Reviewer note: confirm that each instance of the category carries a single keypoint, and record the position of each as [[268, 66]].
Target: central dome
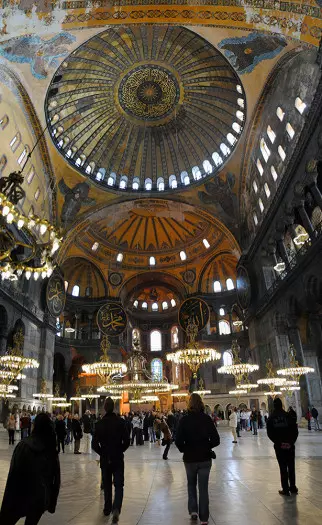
[[146, 108]]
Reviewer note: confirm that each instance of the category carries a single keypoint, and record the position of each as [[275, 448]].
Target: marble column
[[305, 219], [90, 325], [96, 406], [316, 194]]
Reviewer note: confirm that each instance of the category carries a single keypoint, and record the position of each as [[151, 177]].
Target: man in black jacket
[[282, 430], [110, 441]]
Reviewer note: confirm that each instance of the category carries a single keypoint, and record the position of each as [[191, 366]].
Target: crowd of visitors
[[194, 432]]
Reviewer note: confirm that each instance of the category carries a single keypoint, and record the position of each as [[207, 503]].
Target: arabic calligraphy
[[111, 319], [193, 311], [55, 295]]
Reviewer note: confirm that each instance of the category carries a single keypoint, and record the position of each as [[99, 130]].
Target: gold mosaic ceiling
[[135, 108]]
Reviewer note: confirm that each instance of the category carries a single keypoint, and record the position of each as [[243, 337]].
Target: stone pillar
[[96, 406], [282, 250], [316, 194], [77, 319], [296, 339], [305, 219], [80, 408], [90, 326], [231, 322]]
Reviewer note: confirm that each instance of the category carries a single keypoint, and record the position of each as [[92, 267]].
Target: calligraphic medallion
[[111, 319], [243, 288], [196, 310], [55, 295]]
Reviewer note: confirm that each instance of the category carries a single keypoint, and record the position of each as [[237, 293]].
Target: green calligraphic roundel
[[111, 319], [243, 288], [56, 295], [196, 310]]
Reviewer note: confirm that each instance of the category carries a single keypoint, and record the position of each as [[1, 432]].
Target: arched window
[[100, 175], [95, 246], [173, 303], [271, 134], [207, 167], [236, 127], [30, 175], [136, 183], [15, 142], [280, 113], [221, 311], [75, 291], [230, 284], [239, 88], [22, 159], [217, 286], [148, 184], [274, 173], [136, 303], [111, 179], [267, 190], [281, 152], [240, 115], [4, 121], [165, 305], [225, 150], [231, 139], [155, 341], [290, 130], [261, 205], [206, 243], [217, 159], [66, 286], [185, 178], [241, 102], [160, 184], [255, 186], [255, 219], [196, 173], [227, 358], [88, 291], [119, 257], [155, 307], [183, 255], [259, 167], [224, 328], [174, 337], [300, 105], [264, 149], [156, 370], [136, 336], [80, 161], [123, 182], [152, 261], [144, 305], [3, 163], [37, 194], [173, 182]]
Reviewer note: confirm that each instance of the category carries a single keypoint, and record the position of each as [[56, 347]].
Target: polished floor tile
[[243, 488]]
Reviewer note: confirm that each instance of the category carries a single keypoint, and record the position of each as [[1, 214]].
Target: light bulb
[[5, 210], [49, 272], [36, 275], [31, 224], [43, 229], [55, 246], [43, 275], [28, 275], [10, 218], [19, 272], [20, 224]]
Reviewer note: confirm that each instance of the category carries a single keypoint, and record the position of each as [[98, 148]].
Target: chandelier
[[295, 371], [238, 392], [271, 380], [13, 362], [104, 368], [78, 396], [140, 382], [43, 395], [193, 355], [39, 240], [57, 400], [7, 391], [238, 369], [90, 395], [247, 386]]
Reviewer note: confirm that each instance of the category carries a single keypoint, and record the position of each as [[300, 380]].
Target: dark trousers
[[60, 442], [286, 461], [238, 430], [167, 448], [32, 518], [198, 472], [113, 472], [76, 445], [11, 436]]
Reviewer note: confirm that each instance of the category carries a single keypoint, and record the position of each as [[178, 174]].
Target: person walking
[[60, 429], [137, 430], [24, 425], [87, 429], [150, 427], [283, 431], [315, 415], [233, 424], [11, 427], [167, 437], [77, 433], [110, 440], [34, 475], [238, 423], [254, 421], [196, 436], [308, 417]]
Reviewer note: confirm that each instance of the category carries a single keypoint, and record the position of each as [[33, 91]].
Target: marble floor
[[243, 487]]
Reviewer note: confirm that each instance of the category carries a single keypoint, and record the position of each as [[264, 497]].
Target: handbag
[[163, 442]]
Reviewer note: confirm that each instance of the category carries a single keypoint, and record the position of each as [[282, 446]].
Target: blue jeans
[[255, 427], [198, 472]]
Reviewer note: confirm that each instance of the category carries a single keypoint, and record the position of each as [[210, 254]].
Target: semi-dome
[[146, 108]]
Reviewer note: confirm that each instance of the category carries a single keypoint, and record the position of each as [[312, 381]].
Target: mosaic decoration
[[189, 276], [111, 319], [41, 54], [148, 101], [75, 198], [55, 295], [245, 53], [220, 191], [196, 310], [115, 279]]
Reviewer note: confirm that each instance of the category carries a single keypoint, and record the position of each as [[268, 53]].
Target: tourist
[[110, 441], [167, 437], [69, 431], [254, 421], [315, 416], [292, 413], [34, 477], [282, 430], [157, 430], [238, 423], [137, 426], [243, 418], [171, 422], [233, 424], [87, 432], [308, 417], [24, 425], [77, 433], [60, 429], [11, 427], [151, 418], [196, 437]]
